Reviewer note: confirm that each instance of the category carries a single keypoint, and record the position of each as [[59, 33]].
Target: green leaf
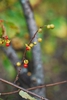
[[26, 95]]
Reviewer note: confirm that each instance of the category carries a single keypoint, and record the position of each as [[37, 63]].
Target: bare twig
[[9, 93], [33, 88], [24, 55], [22, 89], [48, 85]]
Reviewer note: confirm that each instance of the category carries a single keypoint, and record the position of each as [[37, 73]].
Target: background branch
[[38, 73], [22, 89]]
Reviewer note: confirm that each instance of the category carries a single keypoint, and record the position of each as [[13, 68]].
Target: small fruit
[[26, 45], [25, 61], [0, 42], [31, 45], [18, 64], [52, 26], [35, 43], [8, 41], [48, 26], [28, 48], [39, 39], [7, 44], [40, 30], [25, 65]]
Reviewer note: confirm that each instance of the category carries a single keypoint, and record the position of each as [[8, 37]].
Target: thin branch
[[48, 85], [9, 93], [33, 88], [22, 89], [35, 34], [24, 55]]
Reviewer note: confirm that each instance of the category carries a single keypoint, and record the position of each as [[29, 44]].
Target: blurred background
[[53, 46]]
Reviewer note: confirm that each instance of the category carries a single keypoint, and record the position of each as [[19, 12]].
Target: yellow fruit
[[35, 43], [48, 26], [40, 30], [25, 61], [52, 26], [18, 64], [39, 39], [0, 42], [31, 45], [7, 41], [26, 45]]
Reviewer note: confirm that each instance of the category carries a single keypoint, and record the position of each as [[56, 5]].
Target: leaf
[[26, 95]]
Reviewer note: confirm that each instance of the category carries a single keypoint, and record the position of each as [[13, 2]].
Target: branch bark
[[22, 89], [24, 79], [11, 54], [36, 52]]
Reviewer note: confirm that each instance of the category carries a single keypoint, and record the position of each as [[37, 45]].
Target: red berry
[[6, 37], [27, 48], [7, 44], [25, 65]]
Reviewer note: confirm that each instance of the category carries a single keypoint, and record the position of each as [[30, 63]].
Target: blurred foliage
[[1, 99], [8, 67], [54, 44]]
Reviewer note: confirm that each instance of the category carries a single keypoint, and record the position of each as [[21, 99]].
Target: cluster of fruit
[[51, 26], [28, 47], [5, 40], [25, 63]]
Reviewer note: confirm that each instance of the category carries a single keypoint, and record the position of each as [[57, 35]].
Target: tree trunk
[[38, 73]]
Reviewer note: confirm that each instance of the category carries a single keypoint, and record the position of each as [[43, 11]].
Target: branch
[[33, 88], [10, 52], [38, 68], [48, 85], [22, 89], [9, 93]]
